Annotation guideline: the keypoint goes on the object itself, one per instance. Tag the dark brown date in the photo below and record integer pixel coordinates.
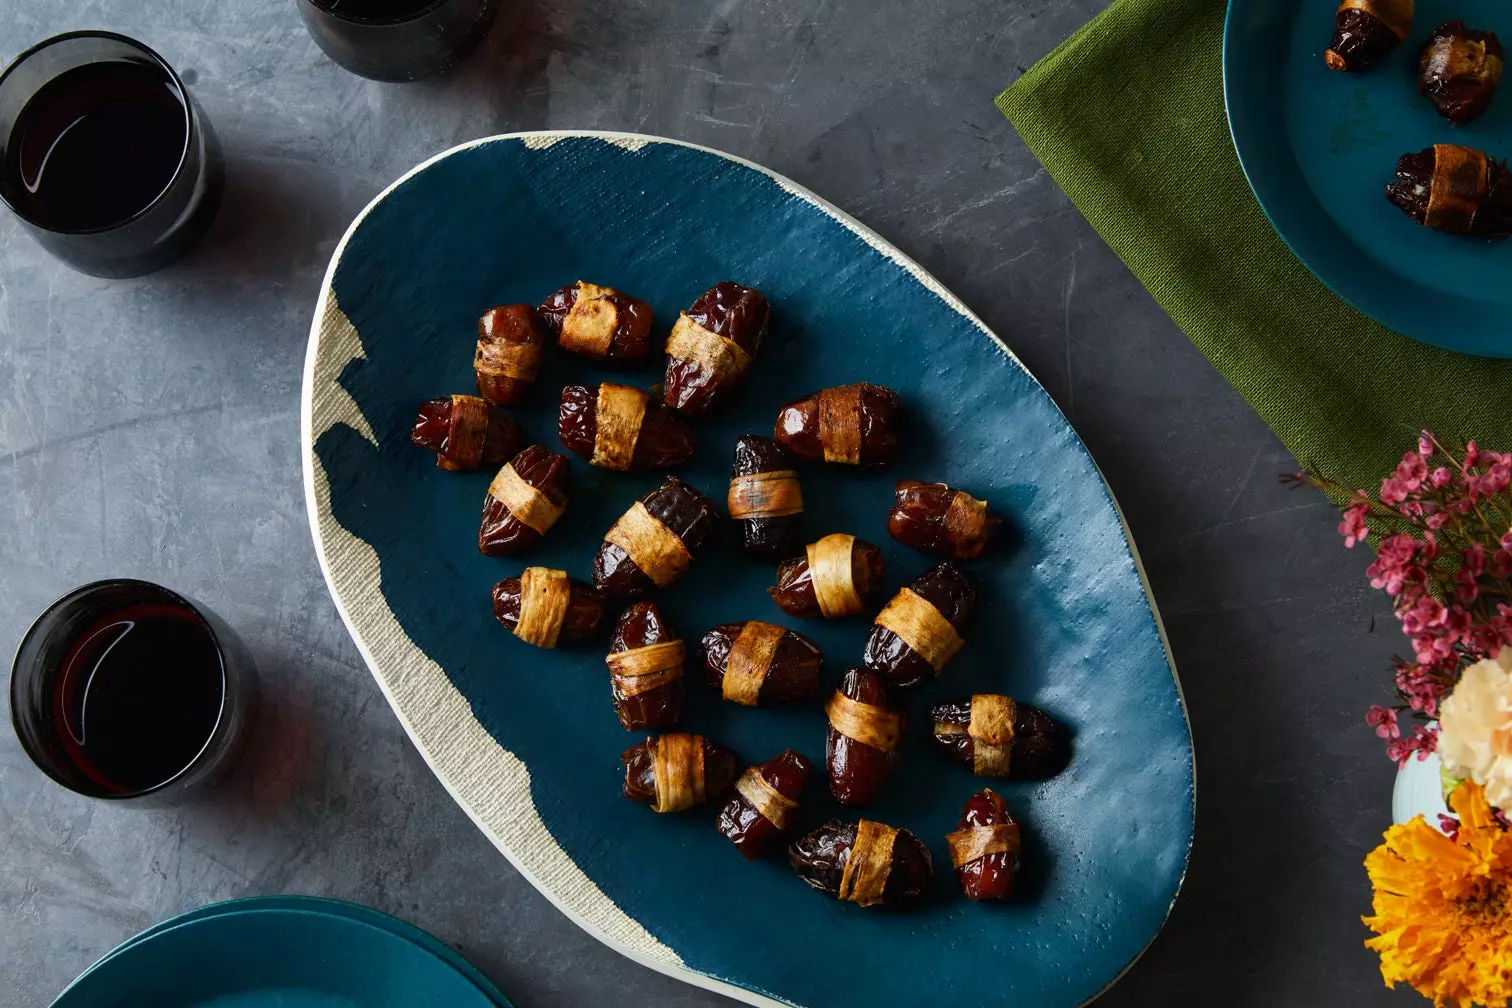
(934, 517)
(758, 664)
(667, 773)
(765, 499)
(508, 356)
(985, 847)
(712, 346)
(584, 613)
(851, 424)
(861, 747)
(821, 857)
(599, 323)
(794, 592)
(1036, 746)
(647, 687)
(759, 815)
(910, 642)
(524, 501)
(1455, 190)
(1366, 34)
(465, 432)
(657, 441)
(653, 543)
(1460, 70)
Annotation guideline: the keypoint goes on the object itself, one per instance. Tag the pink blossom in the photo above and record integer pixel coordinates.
(1423, 742)
(1425, 444)
(1449, 826)
(1436, 521)
(1472, 456)
(1384, 720)
(1441, 477)
(1412, 471)
(1420, 690)
(1393, 563)
(1393, 491)
(1352, 528)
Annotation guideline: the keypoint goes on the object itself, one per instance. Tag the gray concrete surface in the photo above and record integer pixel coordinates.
(149, 428)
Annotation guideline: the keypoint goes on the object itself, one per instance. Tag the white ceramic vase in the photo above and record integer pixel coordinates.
(1418, 789)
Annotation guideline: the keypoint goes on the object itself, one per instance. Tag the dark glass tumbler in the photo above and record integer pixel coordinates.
(106, 158)
(124, 689)
(398, 40)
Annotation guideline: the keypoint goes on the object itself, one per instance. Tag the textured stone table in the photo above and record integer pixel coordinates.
(149, 428)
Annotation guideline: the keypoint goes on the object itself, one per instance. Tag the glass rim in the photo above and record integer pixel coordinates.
(376, 22)
(178, 84)
(73, 595)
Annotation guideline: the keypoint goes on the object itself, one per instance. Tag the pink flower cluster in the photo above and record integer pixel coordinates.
(1442, 522)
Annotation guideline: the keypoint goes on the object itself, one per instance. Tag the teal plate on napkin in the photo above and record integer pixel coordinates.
(330, 907)
(1319, 146)
(277, 957)
(527, 740)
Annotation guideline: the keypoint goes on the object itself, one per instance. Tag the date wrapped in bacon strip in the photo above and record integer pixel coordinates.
(1367, 31)
(464, 432)
(935, 517)
(861, 746)
(545, 607)
(1460, 70)
(984, 848)
(654, 542)
(674, 772)
(866, 863)
(599, 323)
(997, 736)
(1455, 190)
(712, 346)
(758, 816)
(919, 631)
(524, 501)
(849, 424)
(508, 356)
(837, 576)
(646, 668)
(765, 499)
(618, 427)
(759, 664)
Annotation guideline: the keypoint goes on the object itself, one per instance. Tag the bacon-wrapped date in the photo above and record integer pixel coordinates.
(1366, 32)
(674, 772)
(984, 849)
(920, 629)
(758, 816)
(765, 499)
(1459, 71)
(1455, 190)
(653, 543)
(544, 607)
(646, 668)
(837, 576)
(508, 356)
(599, 323)
(851, 424)
(618, 427)
(935, 517)
(866, 863)
(524, 500)
(997, 736)
(861, 746)
(757, 664)
(465, 432)
(712, 346)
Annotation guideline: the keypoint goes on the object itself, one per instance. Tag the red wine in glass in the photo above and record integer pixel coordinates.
(123, 688)
(398, 40)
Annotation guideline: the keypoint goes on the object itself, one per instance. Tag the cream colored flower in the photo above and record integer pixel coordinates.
(1475, 727)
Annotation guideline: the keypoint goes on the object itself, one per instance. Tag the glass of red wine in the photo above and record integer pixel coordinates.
(124, 689)
(398, 40)
(105, 158)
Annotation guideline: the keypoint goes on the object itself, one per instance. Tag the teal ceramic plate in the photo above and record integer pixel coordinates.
(277, 959)
(527, 740)
(1320, 146)
(335, 908)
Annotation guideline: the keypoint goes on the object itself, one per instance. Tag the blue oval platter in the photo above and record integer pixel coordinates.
(1319, 146)
(527, 741)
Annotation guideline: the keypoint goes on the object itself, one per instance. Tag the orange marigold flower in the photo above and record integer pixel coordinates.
(1443, 908)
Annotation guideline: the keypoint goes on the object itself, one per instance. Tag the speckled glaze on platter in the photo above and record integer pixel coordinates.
(527, 741)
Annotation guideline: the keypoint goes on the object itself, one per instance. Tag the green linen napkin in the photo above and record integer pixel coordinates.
(1127, 116)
